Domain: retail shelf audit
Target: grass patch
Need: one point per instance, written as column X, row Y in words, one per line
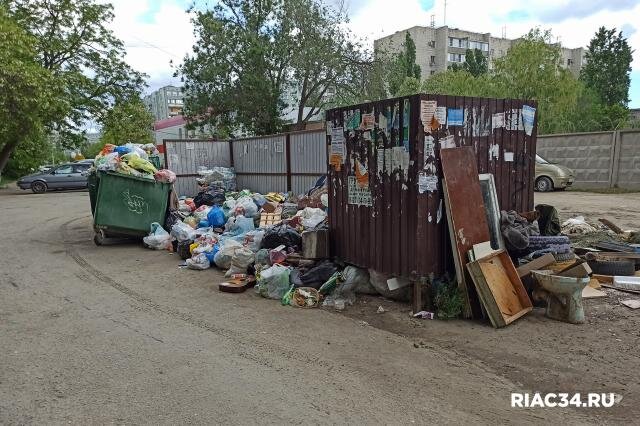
column 605, row 190
column 448, row 300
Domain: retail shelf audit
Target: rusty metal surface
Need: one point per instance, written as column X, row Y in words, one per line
column 404, row 232
column 465, row 210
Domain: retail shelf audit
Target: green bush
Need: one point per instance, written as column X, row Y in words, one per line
column 448, row 300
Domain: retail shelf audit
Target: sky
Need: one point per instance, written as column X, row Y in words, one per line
column 156, row 32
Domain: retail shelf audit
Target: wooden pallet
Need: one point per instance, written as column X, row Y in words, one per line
column 268, row 219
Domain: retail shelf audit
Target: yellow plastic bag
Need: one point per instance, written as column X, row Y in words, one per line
column 140, row 164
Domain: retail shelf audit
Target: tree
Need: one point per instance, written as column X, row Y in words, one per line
column 608, row 64
column 73, row 43
column 474, row 63
column 461, row 83
column 127, row 121
column 30, row 93
column 533, row 69
column 254, row 58
column 403, row 66
column 325, row 56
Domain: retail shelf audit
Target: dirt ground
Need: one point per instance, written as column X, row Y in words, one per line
column 621, row 209
column 120, row 334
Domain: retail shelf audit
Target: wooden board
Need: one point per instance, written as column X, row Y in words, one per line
column 267, row 219
column 589, row 293
column 501, row 291
column 536, row 264
column 466, row 214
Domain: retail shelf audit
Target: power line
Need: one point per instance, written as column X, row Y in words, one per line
column 155, row 47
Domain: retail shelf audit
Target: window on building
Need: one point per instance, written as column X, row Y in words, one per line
column 179, row 132
column 457, row 42
column 432, row 61
column 569, row 62
column 456, row 57
column 480, row 45
column 433, row 72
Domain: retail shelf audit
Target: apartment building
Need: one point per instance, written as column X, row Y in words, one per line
column 439, row 47
column 165, row 102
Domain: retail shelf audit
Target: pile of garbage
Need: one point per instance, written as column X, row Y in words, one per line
column 133, row 160
column 279, row 240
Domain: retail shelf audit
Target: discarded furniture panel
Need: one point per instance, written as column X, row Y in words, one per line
column 500, row 289
column 466, row 216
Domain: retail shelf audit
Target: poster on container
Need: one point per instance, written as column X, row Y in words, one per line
column 455, row 116
column 528, row 116
column 356, row 195
column 337, row 150
column 427, row 111
column 440, row 116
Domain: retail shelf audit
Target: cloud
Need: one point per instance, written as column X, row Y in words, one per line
column 155, row 33
column 584, row 8
column 628, row 30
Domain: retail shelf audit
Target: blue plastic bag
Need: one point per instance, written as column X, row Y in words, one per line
column 216, row 217
column 122, row 150
column 203, row 224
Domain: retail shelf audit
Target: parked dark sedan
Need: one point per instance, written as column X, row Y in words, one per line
column 64, row 176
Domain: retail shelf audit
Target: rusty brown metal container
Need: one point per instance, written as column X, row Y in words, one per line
column 392, row 218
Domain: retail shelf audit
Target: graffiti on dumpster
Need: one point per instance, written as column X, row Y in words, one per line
column 135, row 203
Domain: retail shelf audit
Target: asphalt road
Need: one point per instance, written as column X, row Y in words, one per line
column 120, row 334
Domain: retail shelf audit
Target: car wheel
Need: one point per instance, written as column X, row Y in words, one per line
column 544, row 184
column 39, row 187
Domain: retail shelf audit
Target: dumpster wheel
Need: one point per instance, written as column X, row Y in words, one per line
column 99, row 237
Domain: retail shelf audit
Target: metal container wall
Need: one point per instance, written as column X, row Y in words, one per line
column 260, row 163
column 400, row 230
column 308, row 159
column 184, row 157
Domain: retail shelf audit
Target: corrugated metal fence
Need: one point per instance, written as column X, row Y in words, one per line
column 281, row 163
column 386, row 221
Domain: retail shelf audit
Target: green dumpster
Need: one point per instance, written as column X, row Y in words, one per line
column 92, row 185
column 127, row 205
column 155, row 160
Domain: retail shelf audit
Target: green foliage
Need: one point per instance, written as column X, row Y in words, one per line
column 410, row 86
column 30, row 93
column 127, row 121
column 475, row 63
column 608, row 64
column 460, row 83
column 74, row 42
column 252, row 55
column 402, row 67
column 61, row 65
column 448, row 301
column 532, row 69
column 31, row 154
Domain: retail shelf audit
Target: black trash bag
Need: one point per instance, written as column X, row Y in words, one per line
column 281, row 234
column 210, row 197
column 548, row 222
column 294, row 277
column 173, row 216
column 317, row 275
column 183, row 249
